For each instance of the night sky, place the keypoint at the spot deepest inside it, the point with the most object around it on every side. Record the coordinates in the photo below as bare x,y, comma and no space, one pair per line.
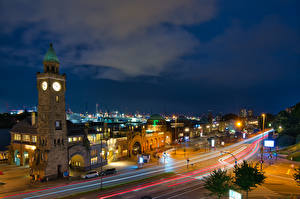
161,56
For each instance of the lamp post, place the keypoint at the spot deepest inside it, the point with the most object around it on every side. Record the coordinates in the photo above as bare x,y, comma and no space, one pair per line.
101,163
264,118
262,147
227,152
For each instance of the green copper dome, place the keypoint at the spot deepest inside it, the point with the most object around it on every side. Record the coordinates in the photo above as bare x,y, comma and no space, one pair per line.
50,55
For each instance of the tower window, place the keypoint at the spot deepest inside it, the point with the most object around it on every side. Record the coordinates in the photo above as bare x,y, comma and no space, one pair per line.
58,125
56,98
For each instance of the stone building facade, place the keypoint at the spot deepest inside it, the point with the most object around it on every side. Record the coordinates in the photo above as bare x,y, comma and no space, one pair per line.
48,143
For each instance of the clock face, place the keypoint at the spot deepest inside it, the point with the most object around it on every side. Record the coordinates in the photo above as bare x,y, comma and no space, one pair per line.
44,85
56,86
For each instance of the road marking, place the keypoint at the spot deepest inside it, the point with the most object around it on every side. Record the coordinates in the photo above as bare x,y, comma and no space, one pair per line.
169,193
199,158
186,192
279,177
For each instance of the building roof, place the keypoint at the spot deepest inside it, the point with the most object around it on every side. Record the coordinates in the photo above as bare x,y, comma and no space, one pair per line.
156,117
51,55
24,126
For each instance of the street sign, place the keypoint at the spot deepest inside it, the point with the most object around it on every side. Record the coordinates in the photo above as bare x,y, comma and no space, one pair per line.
269,143
234,195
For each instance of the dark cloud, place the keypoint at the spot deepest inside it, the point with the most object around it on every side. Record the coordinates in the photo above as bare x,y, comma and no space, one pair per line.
128,36
178,56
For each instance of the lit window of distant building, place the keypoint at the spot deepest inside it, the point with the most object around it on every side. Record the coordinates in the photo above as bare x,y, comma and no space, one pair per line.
94,160
93,152
34,138
26,138
17,137
58,125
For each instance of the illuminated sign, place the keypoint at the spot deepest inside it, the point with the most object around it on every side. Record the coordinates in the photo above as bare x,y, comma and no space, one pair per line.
212,143
141,160
155,122
31,147
269,143
234,195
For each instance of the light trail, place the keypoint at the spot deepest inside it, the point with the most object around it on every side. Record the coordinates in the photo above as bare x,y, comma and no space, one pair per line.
244,154
90,184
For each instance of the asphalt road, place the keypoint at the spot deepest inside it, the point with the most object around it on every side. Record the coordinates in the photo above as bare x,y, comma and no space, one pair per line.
206,162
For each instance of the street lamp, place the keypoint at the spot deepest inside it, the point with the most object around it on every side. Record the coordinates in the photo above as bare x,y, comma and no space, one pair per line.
264,118
238,124
262,147
227,152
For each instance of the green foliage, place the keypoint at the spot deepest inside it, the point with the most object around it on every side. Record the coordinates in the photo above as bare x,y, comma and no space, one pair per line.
298,139
247,176
218,183
230,116
285,140
269,119
294,156
297,175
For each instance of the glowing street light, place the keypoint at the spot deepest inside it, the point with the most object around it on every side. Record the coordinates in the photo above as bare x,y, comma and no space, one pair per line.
238,124
264,118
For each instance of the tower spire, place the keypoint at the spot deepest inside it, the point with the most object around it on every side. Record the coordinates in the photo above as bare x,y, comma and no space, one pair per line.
51,62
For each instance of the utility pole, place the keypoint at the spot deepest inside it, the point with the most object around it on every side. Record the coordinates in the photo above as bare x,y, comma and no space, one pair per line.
101,162
262,146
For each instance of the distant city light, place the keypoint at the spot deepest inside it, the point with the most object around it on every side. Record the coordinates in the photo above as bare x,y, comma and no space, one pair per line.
212,143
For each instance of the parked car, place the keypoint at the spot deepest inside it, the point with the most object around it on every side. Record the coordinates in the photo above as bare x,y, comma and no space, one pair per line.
90,174
109,172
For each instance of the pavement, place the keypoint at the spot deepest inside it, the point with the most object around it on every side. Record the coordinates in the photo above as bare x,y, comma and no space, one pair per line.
202,163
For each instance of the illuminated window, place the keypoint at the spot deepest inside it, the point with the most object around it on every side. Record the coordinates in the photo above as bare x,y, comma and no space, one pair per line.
92,138
26,138
93,152
58,125
69,139
94,160
79,139
56,98
98,136
34,138
17,137
74,139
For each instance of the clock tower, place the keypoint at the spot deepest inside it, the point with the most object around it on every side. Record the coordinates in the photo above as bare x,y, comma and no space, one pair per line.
51,158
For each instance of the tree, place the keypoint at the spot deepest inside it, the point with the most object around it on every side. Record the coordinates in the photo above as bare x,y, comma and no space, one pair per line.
218,182
247,176
230,116
297,176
